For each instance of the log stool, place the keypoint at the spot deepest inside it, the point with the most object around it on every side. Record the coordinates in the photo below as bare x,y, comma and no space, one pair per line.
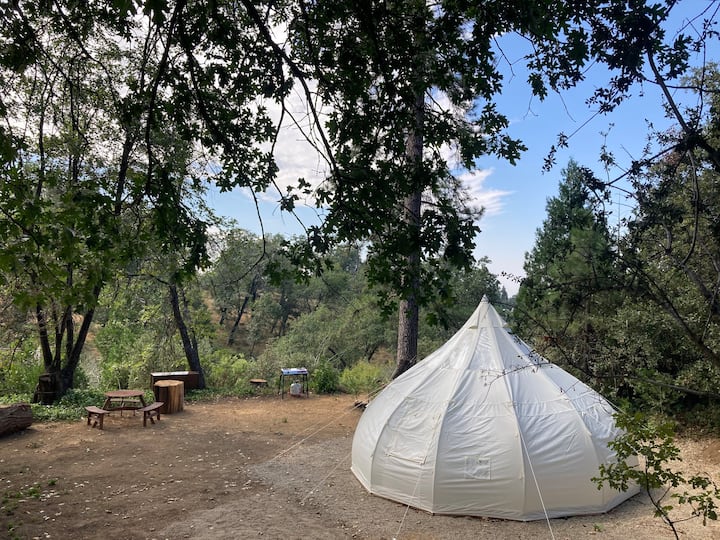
172,394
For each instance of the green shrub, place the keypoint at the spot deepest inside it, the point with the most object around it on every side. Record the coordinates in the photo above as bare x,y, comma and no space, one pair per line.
324,378
81,381
654,443
19,368
653,392
82,398
15,397
362,377
268,365
227,371
71,406
123,350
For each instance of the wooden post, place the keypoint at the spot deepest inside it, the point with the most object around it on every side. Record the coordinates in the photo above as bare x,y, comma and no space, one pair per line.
172,394
15,418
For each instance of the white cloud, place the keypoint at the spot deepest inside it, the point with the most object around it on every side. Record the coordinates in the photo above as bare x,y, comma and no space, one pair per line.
297,148
490,199
297,158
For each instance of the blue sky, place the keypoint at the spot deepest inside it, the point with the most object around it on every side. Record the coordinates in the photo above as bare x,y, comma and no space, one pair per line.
515,197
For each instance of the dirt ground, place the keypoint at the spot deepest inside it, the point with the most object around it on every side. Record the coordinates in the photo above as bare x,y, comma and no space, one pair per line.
251,468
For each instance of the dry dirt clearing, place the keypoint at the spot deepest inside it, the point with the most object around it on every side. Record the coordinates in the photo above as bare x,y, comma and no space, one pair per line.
251,468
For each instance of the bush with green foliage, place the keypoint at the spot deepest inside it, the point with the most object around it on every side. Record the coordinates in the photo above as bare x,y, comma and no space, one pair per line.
363,377
122,348
225,370
654,444
325,379
8,398
278,355
19,368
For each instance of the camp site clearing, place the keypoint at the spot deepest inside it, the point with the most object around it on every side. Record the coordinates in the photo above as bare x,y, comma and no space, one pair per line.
252,468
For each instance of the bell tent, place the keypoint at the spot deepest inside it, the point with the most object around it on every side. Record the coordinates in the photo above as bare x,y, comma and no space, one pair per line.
484,426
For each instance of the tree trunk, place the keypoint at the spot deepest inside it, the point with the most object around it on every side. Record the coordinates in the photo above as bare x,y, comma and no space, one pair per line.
47,389
15,418
59,376
408,319
188,340
233,330
67,373
407,336
283,324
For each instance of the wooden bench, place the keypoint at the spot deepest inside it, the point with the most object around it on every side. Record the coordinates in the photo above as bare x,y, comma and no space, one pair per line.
151,410
96,414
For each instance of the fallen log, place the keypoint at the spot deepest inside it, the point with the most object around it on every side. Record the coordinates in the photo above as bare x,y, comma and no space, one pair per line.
15,418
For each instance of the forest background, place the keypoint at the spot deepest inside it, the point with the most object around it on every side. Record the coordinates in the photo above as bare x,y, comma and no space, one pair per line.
113,267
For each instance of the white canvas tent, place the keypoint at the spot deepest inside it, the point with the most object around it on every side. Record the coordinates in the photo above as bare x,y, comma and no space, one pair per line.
486,427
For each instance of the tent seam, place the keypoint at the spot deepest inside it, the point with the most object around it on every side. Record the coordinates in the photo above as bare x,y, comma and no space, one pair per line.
516,419
468,355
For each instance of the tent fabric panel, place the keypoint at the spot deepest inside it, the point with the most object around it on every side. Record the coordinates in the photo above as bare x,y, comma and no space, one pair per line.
454,357
369,432
484,358
374,421
528,385
403,481
411,430
560,462
480,471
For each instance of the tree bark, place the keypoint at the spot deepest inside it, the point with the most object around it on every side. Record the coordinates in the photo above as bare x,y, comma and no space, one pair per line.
407,336
409,311
233,330
409,318
188,339
59,376
67,373
15,418
252,294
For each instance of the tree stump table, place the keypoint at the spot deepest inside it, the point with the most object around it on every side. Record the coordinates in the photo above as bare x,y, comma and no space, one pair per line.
171,393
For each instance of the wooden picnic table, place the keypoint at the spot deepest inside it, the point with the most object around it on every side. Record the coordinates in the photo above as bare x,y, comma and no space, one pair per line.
124,400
